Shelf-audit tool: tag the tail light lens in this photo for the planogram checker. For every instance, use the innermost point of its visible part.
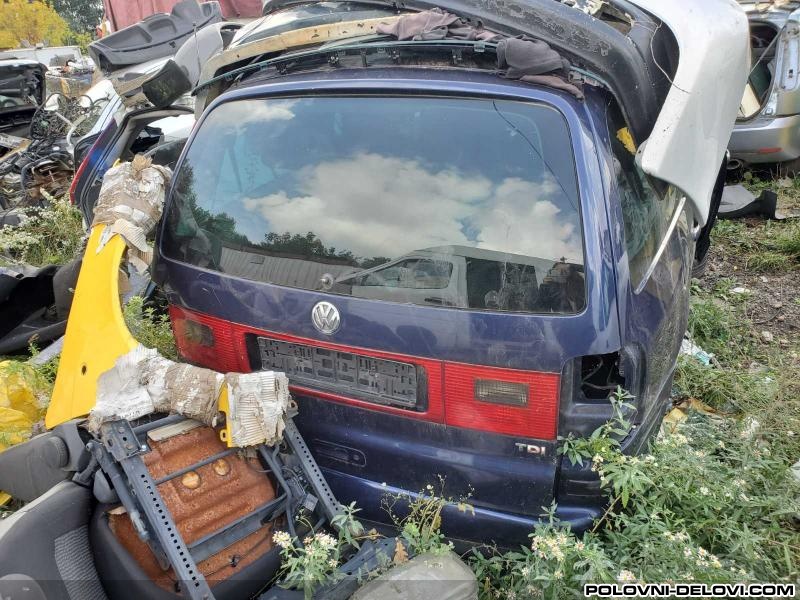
(78, 175)
(504, 401)
(507, 401)
(91, 154)
(501, 392)
(208, 342)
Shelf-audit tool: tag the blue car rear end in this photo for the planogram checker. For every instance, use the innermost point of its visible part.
(384, 192)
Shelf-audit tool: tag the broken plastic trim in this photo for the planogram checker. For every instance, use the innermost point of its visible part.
(363, 49)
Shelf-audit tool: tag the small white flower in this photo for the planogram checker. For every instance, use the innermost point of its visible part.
(533, 591)
(790, 433)
(625, 576)
(679, 439)
(580, 546)
(282, 539)
(325, 541)
(558, 574)
(705, 491)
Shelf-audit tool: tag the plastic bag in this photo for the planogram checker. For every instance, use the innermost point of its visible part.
(20, 403)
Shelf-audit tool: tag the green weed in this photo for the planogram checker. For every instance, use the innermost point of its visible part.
(49, 235)
(150, 328)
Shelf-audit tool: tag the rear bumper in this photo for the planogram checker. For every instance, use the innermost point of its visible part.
(766, 140)
(484, 526)
(578, 495)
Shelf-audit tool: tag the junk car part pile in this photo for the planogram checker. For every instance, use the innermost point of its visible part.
(45, 163)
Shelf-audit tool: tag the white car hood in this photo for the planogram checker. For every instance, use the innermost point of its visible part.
(692, 131)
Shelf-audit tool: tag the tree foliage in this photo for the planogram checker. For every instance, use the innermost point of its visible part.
(81, 15)
(34, 22)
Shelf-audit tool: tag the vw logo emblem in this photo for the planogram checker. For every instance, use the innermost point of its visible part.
(325, 317)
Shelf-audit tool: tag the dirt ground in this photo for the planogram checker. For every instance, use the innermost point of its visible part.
(772, 298)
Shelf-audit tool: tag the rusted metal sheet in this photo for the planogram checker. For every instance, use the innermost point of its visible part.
(202, 501)
(121, 13)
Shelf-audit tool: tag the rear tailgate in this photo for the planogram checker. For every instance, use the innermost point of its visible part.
(276, 202)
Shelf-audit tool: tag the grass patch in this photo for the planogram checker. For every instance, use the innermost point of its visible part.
(767, 247)
(769, 262)
(50, 235)
(787, 241)
(713, 502)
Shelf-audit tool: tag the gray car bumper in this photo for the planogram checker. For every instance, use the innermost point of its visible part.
(766, 140)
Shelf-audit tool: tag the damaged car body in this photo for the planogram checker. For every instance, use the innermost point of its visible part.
(340, 214)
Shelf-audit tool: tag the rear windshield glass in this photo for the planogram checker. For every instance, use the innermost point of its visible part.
(463, 203)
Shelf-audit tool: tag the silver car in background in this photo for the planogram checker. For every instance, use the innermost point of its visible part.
(768, 127)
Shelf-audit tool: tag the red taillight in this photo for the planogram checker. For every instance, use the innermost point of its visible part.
(78, 174)
(209, 342)
(505, 401)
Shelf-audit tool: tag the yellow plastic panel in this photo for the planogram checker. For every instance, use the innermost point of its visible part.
(96, 332)
(222, 403)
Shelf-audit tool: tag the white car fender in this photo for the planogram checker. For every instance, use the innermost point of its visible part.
(692, 130)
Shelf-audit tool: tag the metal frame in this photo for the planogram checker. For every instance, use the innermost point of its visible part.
(119, 454)
(121, 443)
